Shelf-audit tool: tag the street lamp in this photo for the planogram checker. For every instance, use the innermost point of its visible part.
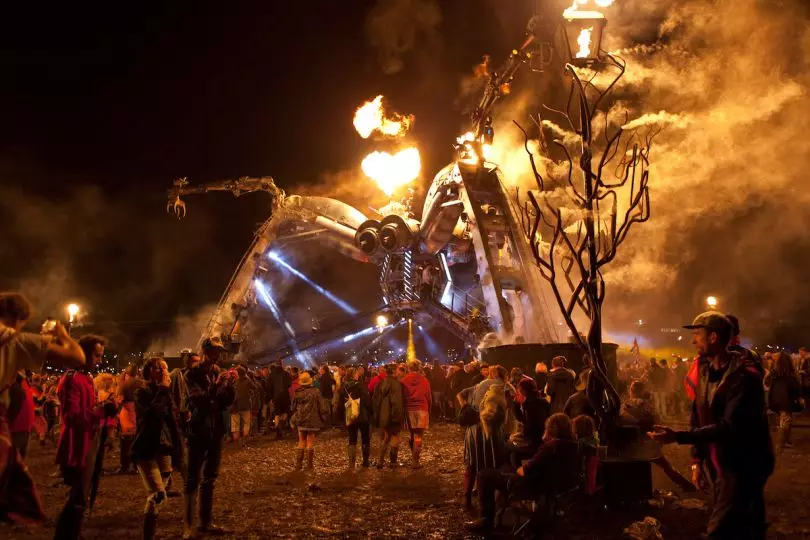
(711, 301)
(582, 31)
(73, 311)
(382, 322)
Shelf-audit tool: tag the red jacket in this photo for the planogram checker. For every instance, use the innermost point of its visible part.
(24, 420)
(80, 419)
(416, 391)
(377, 379)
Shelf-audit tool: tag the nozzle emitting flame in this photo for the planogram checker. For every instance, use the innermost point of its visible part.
(392, 171)
(371, 117)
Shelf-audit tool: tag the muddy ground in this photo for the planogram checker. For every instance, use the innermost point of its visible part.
(258, 495)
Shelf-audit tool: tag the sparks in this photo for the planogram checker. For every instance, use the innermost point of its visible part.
(391, 172)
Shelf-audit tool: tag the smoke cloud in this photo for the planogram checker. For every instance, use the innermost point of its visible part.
(397, 27)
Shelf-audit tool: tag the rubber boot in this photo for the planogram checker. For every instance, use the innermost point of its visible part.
(207, 511)
(352, 453)
(366, 449)
(381, 457)
(395, 456)
(69, 523)
(416, 453)
(189, 502)
(149, 525)
(299, 458)
(311, 458)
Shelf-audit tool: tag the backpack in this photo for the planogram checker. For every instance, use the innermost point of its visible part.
(352, 410)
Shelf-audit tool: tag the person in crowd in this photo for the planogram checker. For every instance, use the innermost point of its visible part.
(730, 432)
(438, 385)
(244, 388)
(129, 384)
(281, 381)
(376, 380)
(804, 372)
(484, 440)
(553, 469)
(456, 382)
(561, 383)
(638, 409)
(784, 393)
(532, 411)
(417, 396)
(657, 378)
(358, 412)
(178, 387)
(209, 395)
(308, 417)
(106, 388)
(736, 346)
(327, 388)
(157, 444)
(579, 403)
(480, 373)
(541, 377)
(389, 415)
(78, 443)
(21, 416)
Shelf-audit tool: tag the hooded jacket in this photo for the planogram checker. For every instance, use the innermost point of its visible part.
(389, 404)
(416, 390)
(308, 410)
(561, 384)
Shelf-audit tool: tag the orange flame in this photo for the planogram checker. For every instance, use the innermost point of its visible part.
(371, 117)
(392, 171)
(574, 12)
(584, 42)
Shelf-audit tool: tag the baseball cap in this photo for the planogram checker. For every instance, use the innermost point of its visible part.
(712, 320)
(214, 342)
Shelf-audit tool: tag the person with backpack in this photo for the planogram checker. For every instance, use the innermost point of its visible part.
(308, 417)
(389, 414)
(358, 414)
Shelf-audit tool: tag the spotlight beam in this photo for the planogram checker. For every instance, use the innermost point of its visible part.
(264, 294)
(275, 257)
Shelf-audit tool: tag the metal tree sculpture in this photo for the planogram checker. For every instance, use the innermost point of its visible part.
(608, 177)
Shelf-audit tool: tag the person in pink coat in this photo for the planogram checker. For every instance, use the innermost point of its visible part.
(418, 397)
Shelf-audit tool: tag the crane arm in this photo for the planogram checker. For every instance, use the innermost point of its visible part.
(238, 186)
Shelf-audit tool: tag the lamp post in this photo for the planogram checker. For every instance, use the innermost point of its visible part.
(711, 302)
(73, 312)
(582, 31)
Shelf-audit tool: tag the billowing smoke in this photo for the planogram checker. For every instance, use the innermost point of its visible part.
(397, 27)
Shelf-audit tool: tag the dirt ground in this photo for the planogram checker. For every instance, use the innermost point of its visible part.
(258, 495)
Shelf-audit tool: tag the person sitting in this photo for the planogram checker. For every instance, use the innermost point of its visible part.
(553, 469)
(579, 403)
(532, 411)
(588, 444)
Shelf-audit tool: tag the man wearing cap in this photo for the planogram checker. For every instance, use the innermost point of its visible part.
(730, 435)
(209, 394)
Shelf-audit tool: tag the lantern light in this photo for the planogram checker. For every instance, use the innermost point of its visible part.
(583, 36)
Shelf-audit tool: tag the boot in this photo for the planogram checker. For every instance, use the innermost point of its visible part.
(207, 512)
(381, 457)
(395, 457)
(366, 449)
(279, 431)
(299, 458)
(189, 502)
(352, 452)
(416, 453)
(311, 458)
(69, 524)
(149, 525)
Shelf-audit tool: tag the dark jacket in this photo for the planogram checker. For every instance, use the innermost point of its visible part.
(245, 391)
(326, 385)
(280, 382)
(541, 379)
(561, 384)
(389, 405)
(532, 413)
(456, 384)
(156, 433)
(358, 390)
(579, 404)
(731, 431)
(206, 402)
(784, 393)
(555, 466)
(308, 410)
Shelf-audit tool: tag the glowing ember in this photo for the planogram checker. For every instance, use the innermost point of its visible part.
(584, 42)
(471, 157)
(371, 117)
(392, 171)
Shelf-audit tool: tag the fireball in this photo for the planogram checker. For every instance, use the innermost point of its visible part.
(392, 171)
(371, 117)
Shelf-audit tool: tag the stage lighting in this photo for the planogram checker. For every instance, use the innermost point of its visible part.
(276, 257)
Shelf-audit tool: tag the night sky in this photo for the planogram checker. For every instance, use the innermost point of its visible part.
(104, 104)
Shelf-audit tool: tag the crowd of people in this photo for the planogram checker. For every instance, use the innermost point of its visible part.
(525, 434)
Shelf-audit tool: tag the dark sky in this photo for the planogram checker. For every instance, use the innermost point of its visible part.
(104, 104)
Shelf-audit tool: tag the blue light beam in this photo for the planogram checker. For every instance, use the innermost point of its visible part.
(275, 257)
(264, 294)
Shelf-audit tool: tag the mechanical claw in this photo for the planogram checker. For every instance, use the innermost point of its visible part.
(178, 206)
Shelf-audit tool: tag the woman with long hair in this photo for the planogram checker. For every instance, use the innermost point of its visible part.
(157, 441)
(784, 393)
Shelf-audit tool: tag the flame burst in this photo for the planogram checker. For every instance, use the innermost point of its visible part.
(584, 42)
(371, 117)
(573, 12)
(392, 171)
